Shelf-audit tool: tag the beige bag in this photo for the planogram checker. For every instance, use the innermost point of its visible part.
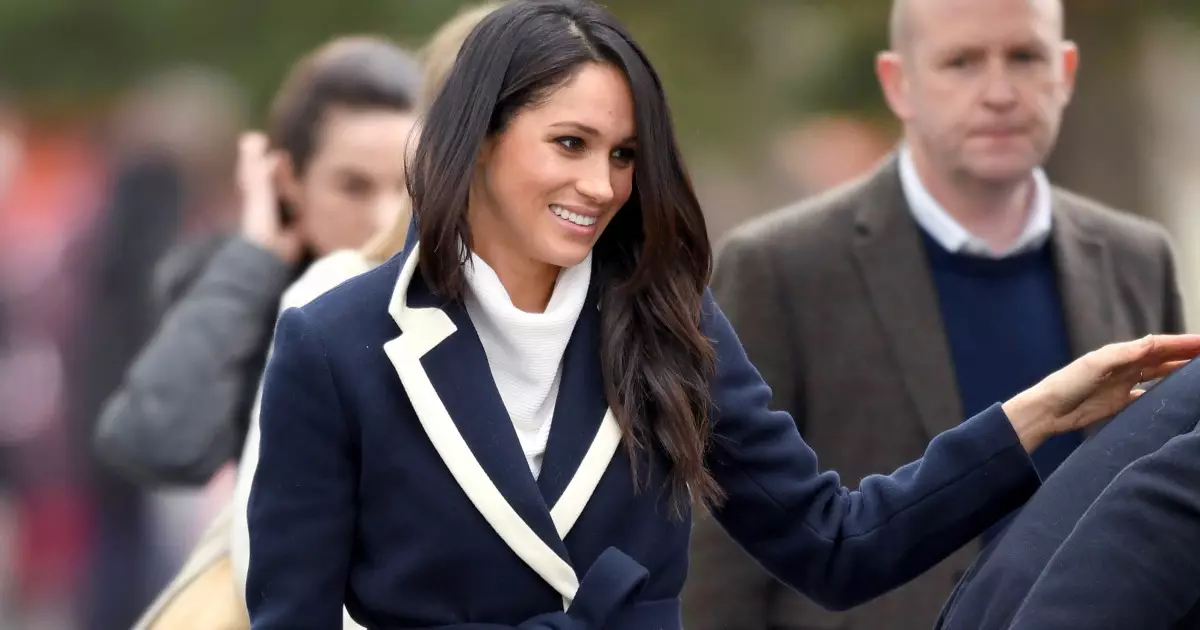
(203, 596)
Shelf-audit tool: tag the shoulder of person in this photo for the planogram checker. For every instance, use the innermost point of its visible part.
(1121, 228)
(355, 305)
(179, 269)
(324, 274)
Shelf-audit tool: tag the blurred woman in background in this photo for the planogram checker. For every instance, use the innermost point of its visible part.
(324, 177)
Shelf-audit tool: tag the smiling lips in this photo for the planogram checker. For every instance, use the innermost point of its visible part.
(582, 220)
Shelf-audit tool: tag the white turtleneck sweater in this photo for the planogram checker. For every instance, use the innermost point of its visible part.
(525, 350)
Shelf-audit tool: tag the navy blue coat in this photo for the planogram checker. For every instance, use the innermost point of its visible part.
(1109, 541)
(390, 478)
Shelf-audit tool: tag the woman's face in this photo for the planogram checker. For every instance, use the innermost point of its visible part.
(354, 184)
(549, 183)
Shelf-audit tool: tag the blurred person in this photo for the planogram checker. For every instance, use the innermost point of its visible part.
(883, 312)
(551, 306)
(828, 151)
(220, 560)
(1127, 558)
(10, 156)
(10, 144)
(1106, 543)
(164, 196)
(326, 175)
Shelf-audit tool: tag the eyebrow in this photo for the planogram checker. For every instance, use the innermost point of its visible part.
(588, 129)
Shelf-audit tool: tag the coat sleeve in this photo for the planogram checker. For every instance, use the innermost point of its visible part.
(1130, 562)
(302, 500)
(842, 547)
(177, 417)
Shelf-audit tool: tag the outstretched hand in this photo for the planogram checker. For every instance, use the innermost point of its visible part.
(1095, 386)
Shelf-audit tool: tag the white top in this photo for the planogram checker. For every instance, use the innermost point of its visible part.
(955, 238)
(525, 350)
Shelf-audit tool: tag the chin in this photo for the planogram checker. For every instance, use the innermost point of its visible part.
(1002, 168)
(565, 254)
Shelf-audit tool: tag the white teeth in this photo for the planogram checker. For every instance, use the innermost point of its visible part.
(577, 219)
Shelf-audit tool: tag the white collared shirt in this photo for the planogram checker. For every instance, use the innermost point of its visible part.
(951, 235)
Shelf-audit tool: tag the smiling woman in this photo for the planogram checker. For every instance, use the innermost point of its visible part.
(505, 425)
(558, 138)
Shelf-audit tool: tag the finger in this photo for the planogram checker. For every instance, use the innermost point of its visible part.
(1136, 393)
(1149, 350)
(253, 142)
(1172, 347)
(1155, 372)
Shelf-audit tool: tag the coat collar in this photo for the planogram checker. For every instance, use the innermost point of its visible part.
(889, 256)
(444, 370)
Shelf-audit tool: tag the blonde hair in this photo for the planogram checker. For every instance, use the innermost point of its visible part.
(438, 56)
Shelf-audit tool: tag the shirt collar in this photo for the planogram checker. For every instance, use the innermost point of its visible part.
(952, 236)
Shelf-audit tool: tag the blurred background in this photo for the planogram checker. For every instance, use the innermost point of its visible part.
(774, 100)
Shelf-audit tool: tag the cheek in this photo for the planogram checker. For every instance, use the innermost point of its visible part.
(523, 184)
(1050, 100)
(622, 183)
(330, 210)
(326, 203)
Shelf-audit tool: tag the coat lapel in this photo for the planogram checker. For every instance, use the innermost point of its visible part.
(442, 365)
(583, 430)
(889, 256)
(1084, 281)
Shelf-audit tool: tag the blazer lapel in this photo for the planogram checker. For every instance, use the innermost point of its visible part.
(1084, 281)
(584, 434)
(445, 374)
(889, 256)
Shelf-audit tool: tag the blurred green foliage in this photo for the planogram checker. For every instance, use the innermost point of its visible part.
(72, 55)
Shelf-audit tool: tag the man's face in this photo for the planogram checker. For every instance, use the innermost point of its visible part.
(982, 84)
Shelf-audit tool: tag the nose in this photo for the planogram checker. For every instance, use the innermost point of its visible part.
(595, 182)
(998, 89)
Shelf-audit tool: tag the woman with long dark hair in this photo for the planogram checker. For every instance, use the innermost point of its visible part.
(507, 424)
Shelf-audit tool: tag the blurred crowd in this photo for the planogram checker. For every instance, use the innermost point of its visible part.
(87, 213)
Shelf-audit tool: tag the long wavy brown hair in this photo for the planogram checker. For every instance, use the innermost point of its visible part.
(654, 259)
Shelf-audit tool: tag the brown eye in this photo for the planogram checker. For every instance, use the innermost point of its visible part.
(355, 186)
(570, 143)
(1026, 56)
(624, 156)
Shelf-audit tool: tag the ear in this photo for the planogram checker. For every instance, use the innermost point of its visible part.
(1070, 68)
(890, 71)
(486, 148)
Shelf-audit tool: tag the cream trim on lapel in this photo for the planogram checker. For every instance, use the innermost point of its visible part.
(570, 505)
(422, 329)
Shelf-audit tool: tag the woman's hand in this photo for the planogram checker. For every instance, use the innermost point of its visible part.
(261, 220)
(1095, 386)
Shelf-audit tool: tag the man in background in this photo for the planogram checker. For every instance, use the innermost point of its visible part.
(952, 277)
